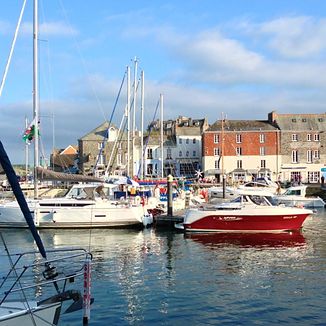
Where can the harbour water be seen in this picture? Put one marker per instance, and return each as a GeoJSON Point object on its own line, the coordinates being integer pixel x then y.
{"type": "Point", "coordinates": [162, 277]}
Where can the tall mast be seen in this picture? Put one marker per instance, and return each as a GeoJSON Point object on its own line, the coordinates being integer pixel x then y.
{"type": "Point", "coordinates": [162, 154]}
{"type": "Point", "coordinates": [35, 96]}
{"type": "Point", "coordinates": [142, 125]}
{"type": "Point", "coordinates": [128, 120]}
{"type": "Point", "coordinates": [222, 149]}
{"type": "Point", "coordinates": [134, 117]}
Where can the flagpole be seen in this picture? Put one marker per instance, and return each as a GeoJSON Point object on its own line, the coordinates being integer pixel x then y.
{"type": "Point", "coordinates": [35, 96]}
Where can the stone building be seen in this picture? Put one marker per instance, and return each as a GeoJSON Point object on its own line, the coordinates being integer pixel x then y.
{"type": "Point", "coordinates": [302, 145]}
{"type": "Point", "coordinates": [101, 147]}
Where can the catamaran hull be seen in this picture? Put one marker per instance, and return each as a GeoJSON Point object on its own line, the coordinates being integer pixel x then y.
{"type": "Point", "coordinates": [15, 313]}
{"type": "Point", "coordinates": [232, 221]}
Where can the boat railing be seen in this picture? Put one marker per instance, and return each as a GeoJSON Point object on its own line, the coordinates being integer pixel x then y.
{"type": "Point", "coordinates": [31, 275]}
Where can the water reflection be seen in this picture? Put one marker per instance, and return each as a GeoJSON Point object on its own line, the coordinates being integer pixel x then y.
{"type": "Point", "coordinates": [267, 240]}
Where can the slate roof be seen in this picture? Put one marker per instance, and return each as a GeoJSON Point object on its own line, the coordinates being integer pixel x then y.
{"type": "Point", "coordinates": [301, 122]}
{"type": "Point", "coordinates": [242, 125]}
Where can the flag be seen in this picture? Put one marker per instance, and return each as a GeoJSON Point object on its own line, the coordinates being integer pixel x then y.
{"type": "Point", "coordinates": [29, 133]}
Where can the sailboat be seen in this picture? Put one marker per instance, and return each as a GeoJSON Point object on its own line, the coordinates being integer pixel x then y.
{"type": "Point", "coordinates": [70, 211]}
{"type": "Point", "coordinates": [34, 271]}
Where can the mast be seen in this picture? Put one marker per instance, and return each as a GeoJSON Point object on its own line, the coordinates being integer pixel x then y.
{"type": "Point", "coordinates": [142, 125]}
{"type": "Point", "coordinates": [26, 151]}
{"type": "Point", "coordinates": [128, 120]}
{"type": "Point", "coordinates": [35, 96]}
{"type": "Point", "coordinates": [162, 154]}
{"type": "Point", "coordinates": [134, 117]}
{"type": "Point", "coordinates": [222, 147]}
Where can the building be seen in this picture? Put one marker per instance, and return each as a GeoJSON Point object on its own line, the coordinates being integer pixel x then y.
{"type": "Point", "coordinates": [103, 148]}
{"type": "Point", "coordinates": [182, 147]}
{"type": "Point", "coordinates": [250, 147]}
{"type": "Point", "coordinates": [302, 145]}
{"type": "Point", "coordinates": [65, 160]}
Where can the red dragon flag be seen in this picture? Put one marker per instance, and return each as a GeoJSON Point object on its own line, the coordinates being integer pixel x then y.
{"type": "Point", "coordinates": [29, 133]}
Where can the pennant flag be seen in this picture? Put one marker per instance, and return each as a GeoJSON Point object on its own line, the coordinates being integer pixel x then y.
{"type": "Point", "coordinates": [29, 133]}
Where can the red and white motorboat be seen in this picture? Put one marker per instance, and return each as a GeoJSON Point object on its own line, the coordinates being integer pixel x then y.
{"type": "Point", "coordinates": [250, 212]}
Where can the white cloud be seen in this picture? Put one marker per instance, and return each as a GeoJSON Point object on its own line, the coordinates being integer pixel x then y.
{"type": "Point", "coordinates": [50, 29]}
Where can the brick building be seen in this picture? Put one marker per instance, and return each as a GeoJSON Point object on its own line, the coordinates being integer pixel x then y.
{"type": "Point", "coordinates": [250, 149]}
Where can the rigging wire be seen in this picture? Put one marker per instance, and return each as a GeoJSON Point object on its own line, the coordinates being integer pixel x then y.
{"type": "Point", "coordinates": [12, 48]}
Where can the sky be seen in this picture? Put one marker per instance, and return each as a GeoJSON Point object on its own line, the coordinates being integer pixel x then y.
{"type": "Point", "coordinates": [240, 58]}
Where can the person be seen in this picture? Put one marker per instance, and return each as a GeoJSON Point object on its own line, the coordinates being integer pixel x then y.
{"type": "Point", "coordinates": [322, 180]}
{"type": "Point", "coordinates": [278, 190]}
{"type": "Point", "coordinates": [157, 192]}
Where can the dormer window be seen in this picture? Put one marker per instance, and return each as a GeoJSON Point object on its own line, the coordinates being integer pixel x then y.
{"type": "Point", "coordinates": [304, 120]}
{"type": "Point", "coordinates": [294, 120]}
{"type": "Point", "coordinates": [320, 119]}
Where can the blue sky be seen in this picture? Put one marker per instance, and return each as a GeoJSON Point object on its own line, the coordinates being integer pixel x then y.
{"type": "Point", "coordinates": [244, 58]}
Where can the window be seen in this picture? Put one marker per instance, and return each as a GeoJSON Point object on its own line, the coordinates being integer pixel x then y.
{"type": "Point", "coordinates": [320, 119]}
{"type": "Point", "coordinates": [216, 151]}
{"type": "Point", "coordinates": [308, 137]}
{"type": "Point", "coordinates": [239, 164]}
{"type": "Point", "coordinates": [238, 139]}
{"type": "Point", "coordinates": [263, 164]}
{"type": "Point", "coordinates": [187, 153]}
{"type": "Point", "coordinates": [119, 159]}
{"type": "Point", "coordinates": [309, 156]}
{"type": "Point", "coordinates": [216, 138]}
{"type": "Point", "coordinates": [304, 120]}
{"type": "Point", "coordinates": [150, 153]}
{"type": "Point", "coordinates": [294, 120]}
{"type": "Point", "coordinates": [150, 169]}
{"type": "Point", "coordinates": [217, 164]}
{"type": "Point", "coordinates": [180, 153]}
{"type": "Point", "coordinates": [316, 137]}
{"type": "Point", "coordinates": [187, 141]}
{"type": "Point", "coordinates": [101, 159]}
{"type": "Point", "coordinates": [168, 154]}
{"type": "Point", "coordinates": [294, 137]}
{"type": "Point", "coordinates": [262, 138]}
{"type": "Point", "coordinates": [294, 156]}
{"type": "Point", "coordinates": [316, 154]}
{"type": "Point", "coordinates": [100, 145]}
{"type": "Point", "coordinates": [238, 151]}
{"type": "Point", "coordinates": [262, 151]}
{"type": "Point", "coordinates": [180, 140]}
{"type": "Point", "coordinates": [193, 153]}
{"type": "Point", "coordinates": [313, 176]}
{"type": "Point", "coordinates": [194, 141]}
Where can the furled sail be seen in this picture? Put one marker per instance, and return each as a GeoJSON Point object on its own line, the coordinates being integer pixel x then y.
{"type": "Point", "coordinates": [12, 178]}
{"type": "Point", "coordinates": [45, 174]}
